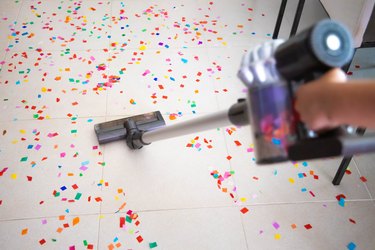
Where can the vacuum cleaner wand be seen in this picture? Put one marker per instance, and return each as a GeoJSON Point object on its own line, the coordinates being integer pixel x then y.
{"type": "Point", "coordinates": [278, 134]}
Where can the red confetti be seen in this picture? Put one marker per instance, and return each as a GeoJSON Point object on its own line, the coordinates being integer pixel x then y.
{"type": "Point", "coordinates": [308, 226]}
{"type": "Point", "coordinates": [139, 239]}
{"type": "Point", "coordinates": [340, 196]}
{"type": "Point", "coordinates": [244, 210]}
{"type": "Point", "coordinates": [122, 221]}
{"type": "Point", "coordinates": [363, 178]}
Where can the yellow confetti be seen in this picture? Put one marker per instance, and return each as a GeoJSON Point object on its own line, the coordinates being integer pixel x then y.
{"type": "Point", "coordinates": [13, 176]}
{"type": "Point", "coordinates": [22, 131]}
{"type": "Point", "coordinates": [291, 180]}
{"type": "Point", "coordinates": [143, 47]}
{"type": "Point", "coordinates": [277, 236]}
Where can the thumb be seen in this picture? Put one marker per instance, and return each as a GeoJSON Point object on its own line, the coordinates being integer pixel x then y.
{"type": "Point", "coordinates": [335, 75]}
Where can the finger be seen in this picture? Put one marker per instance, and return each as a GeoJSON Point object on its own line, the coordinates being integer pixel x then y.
{"type": "Point", "coordinates": [335, 75]}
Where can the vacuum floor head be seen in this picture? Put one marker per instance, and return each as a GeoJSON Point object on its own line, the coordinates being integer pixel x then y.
{"type": "Point", "coordinates": [116, 130]}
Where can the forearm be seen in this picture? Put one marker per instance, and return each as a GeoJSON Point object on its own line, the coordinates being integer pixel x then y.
{"type": "Point", "coordinates": [352, 103]}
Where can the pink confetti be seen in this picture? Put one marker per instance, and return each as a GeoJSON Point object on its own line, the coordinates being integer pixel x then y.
{"type": "Point", "coordinates": [146, 72]}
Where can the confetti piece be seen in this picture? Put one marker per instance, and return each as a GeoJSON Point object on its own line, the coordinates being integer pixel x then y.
{"type": "Point", "coordinates": [24, 231]}
{"type": "Point", "coordinates": [152, 245]}
{"type": "Point", "coordinates": [363, 179]}
{"type": "Point", "coordinates": [78, 196]}
{"type": "Point", "coordinates": [351, 246]}
{"type": "Point", "coordinates": [342, 202]}
{"type": "Point", "coordinates": [277, 236]}
{"type": "Point", "coordinates": [122, 222]}
{"type": "Point", "coordinates": [139, 239]}
{"type": "Point", "coordinates": [276, 225]}
{"type": "Point", "coordinates": [244, 210]}
{"type": "Point", "coordinates": [308, 226]}
{"type": "Point", "coordinates": [3, 171]}
{"type": "Point", "coordinates": [75, 221]}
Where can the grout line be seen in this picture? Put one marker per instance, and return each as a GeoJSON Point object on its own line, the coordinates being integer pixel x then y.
{"type": "Point", "coordinates": [193, 208]}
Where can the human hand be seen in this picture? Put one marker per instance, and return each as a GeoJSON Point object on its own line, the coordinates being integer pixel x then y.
{"type": "Point", "coordinates": [314, 102]}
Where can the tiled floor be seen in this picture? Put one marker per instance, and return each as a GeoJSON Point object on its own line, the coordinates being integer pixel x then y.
{"type": "Point", "coordinates": [67, 65]}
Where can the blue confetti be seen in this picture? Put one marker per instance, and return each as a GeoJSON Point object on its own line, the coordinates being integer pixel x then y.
{"type": "Point", "coordinates": [351, 246]}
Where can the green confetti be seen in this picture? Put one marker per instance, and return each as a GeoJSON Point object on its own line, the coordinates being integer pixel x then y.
{"type": "Point", "coordinates": [78, 196]}
{"type": "Point", "coordinates": [73, 131]}
{"type": "Point", "coordinates": [153, 244]}
{"type": "Point", "coordinates": [24, 159]}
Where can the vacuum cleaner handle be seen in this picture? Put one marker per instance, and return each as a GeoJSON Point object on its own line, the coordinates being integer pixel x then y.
{"type": "Point", "coordinates": [324, 46]}
{"type": "Point", "coordinates": [345, 145]}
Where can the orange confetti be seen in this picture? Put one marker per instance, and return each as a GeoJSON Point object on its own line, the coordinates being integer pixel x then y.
{"type": "Point", "coordinates": [75, 221]}
{"type": "Point", "coordinates": [122, 206]}
{"type": "Point", "coordinates": [24, 231]}
{"type": "Point", "coordinates": [57, 78]}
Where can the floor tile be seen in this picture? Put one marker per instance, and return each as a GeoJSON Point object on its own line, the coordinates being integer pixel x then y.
{"type": "Point", "coordinates": [322, 225]}
{"type": "Point", "coordinates": [8, 19]}
{"type": "Point", "coordinates": [39, 85]}
{"type": "Point", "coordinates": [64, 232]}
{"type": "Point", "coordinates": [156, 24]}
{"type": "Point", "coordinates": [53, 167]}
{"type": "Point", "coordinates": [208, 228]}
{"type": "Point", "coordinates": [169, 80]}
{"type": "Point", "coordinates": [252, 21]}
{"type": "Point", "coordinates": [169, 174]}
{"type": "Point", "coordinates": [40, 25]}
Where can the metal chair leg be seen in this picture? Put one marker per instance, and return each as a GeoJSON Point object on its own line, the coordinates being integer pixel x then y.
{"type": "Point", "coordinates": [280, 17]}
{"type": "Point", "coordinates": [297, 17]}
{"type": "Point", "coordinates": [345, 162]}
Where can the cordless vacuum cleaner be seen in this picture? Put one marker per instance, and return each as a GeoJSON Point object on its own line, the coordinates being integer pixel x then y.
{"type": "Point", "coordinates": [272, 72]}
